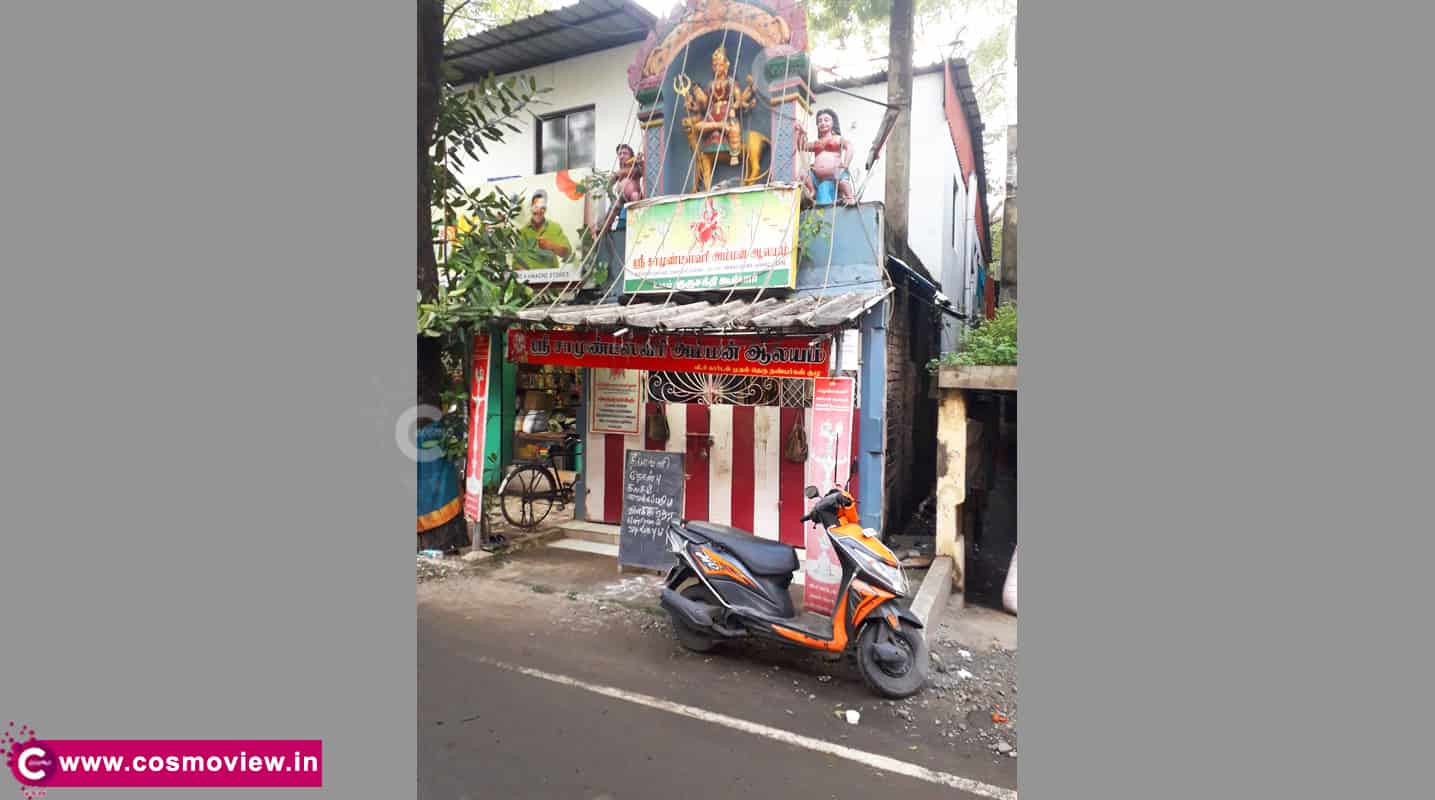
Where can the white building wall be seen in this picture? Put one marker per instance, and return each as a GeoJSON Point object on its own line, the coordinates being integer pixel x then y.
{"type": "Point", "coordinates": [601, 80]}
{"type": "Point", "coordinates": [933, 169]}
{"type": "Point", "coordinates": [597, 79]}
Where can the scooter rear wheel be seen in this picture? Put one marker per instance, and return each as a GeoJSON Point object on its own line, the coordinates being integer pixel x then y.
{"type": "Point", "coordinates": [889, 679]}
{"type": "Point", "coordinates": [688, 637]}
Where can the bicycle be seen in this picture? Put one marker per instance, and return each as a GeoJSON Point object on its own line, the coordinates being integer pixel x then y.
{"type": "Point", "coordinates": [531, 488]}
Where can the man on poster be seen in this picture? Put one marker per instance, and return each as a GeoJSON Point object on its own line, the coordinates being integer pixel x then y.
{"type": "Point", "coordinates": [545, 234]}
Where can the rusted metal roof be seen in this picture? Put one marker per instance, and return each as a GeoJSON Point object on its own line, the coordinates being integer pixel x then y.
{"type": "Point", "coordinates": [799, 313]}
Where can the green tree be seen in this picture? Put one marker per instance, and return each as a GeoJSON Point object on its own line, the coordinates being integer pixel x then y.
{"type": "Point", "coordinates": [845, 23]}
{"type": "Point", "coordinates": [467, 17]}
{"type": "Point", "coordinates": [455, 126]}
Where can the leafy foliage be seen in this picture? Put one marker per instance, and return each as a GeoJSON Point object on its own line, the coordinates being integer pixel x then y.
{"type": "Point", "coordinates": [993, 342]}
{"type": "Point", "coordinates": [840, 20]}
{"type": "Point", "coordinates": [477, 281]}
{"type": "Point", "coordinates": [467, 17]}
{"type": "Point", "coordinates": [809, 227]}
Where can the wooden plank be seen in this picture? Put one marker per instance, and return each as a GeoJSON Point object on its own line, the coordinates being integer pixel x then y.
{"type": "Point", "coordinates": [767, 471]}
{"type": "Point", "coordinates": [743, 456]}
{"type": "Point", "coordinates": [951, 473]}
{"type": "Point", "coordinates": [720, 478]}
{"type": "Point", "coordinates": [594, 471]}
{"type": "Point", "coordinates": [698, 462]}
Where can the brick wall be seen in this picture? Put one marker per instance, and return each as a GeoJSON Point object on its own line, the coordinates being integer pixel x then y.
{"type": "Point", "coordinates": [911, 413]}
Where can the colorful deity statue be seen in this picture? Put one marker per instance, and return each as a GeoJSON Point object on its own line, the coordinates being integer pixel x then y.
{"type": "Point", "coordinates": [828, 179]}
{"type": "Point", "coordinates": [628, 177]}
{"type": "Point", "coordinates": [712, 113]}
{"type": "Point", "coordinates": [625, 184]}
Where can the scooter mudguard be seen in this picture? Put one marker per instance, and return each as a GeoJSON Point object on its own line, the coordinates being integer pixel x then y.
{"type": "Point", "coordinates": [679, 573]}
{"type": "Point", "coordinates": [891, 610]}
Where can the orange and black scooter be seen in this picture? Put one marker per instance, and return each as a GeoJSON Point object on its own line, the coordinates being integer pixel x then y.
{"type": "Point", "coordinates": [729, 584]}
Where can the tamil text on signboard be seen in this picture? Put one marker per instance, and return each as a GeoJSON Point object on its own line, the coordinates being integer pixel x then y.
{"type": "Point", "coordinates": [652, 498]}
{"type": "Point", "coordinates": [778, 357]}
{"type": "Point", "coordinates": [829, 464]}
{"type": "Point", "coordinates": [744, 238]}
{"type": "Point", "coordinates": [616, 401]}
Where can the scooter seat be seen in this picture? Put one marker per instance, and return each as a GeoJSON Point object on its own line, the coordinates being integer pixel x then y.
{"type": "Point", "coordinates": [762, 556]}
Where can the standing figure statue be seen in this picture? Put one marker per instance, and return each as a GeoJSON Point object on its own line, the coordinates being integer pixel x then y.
{"type": "Point", "coordinates": [626, 184]}
{"type": "Point", "coordinates": [829, 165]}
{"type": "Point", "coordinates": [712, 113]}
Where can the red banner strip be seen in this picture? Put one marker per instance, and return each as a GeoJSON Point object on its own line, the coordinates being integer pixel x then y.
{"type": "Point", "coordinates": [778, 357]}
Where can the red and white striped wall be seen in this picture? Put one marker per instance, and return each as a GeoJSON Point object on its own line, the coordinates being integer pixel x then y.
{"type": "Point", "coordinates": [742, 481]}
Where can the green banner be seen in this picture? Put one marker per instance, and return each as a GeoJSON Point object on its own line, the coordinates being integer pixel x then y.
{"type": "Point", "coordinates": [742, 238]}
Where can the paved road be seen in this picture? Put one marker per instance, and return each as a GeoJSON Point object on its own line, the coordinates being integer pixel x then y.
{"type": "Point", "coordinates": [486, 731]}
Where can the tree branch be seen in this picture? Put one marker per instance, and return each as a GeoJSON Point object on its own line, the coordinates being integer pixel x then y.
{"type": "Point", "coordinates": [454, 13]}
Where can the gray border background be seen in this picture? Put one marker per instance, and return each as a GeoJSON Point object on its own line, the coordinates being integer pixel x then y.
{"type": "Point", "coordinates": [207, 318]}
{"type": "Point", "coordinates": [1222, 386]}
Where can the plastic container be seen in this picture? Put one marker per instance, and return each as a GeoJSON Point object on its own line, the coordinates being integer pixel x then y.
{"type": "Point", "coordinates": [1009, 588]}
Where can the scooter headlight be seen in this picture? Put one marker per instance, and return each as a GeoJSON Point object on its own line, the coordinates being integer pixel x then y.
{"type": "Point", "coordinates": [891, 577]}
{"type": "Point", "coordinates": [675, 542]}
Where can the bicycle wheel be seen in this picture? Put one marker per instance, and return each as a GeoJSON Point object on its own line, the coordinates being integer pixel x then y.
{"type": "Point", "coordinates": [528, 497]}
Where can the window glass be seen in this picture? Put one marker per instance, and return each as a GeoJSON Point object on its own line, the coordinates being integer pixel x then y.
{"type": "Point", "coordinates": [580, 139]}
{"type": "Point", "coordinates": [551, 140]}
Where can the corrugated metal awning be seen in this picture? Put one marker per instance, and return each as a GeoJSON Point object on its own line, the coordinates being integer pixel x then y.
{"type": "Point", "coordinates": [801, 313]}
{"type": "Point", "coordinates": [583, 27]}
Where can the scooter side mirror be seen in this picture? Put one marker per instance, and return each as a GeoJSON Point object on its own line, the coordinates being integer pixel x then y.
{"type": "Point", "coordinates": [810, 492]}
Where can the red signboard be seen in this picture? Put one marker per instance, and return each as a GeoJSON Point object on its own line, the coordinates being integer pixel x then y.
{"type": "Point", "coordinates": [778, 357]}
{"type": "Point", "coordinates": [477, 425]}
{"type": "Point", "coordinates": [829, 464]}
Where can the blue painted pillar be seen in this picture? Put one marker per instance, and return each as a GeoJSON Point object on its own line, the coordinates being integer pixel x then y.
{"type": "Point", "coordinates": [873, 433]}
{"type": "Point", "coordinates": [581, 465]}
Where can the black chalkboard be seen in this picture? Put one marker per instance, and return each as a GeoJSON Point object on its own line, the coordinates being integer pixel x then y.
{"type": "Point", "coordinates": [652, 497]}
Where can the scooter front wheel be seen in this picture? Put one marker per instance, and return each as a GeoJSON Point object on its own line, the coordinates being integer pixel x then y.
{"type": "Point", "coordinates": [892, 663]}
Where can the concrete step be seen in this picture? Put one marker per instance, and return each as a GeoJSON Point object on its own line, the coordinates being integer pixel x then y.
{"type": "Point", "coordinates": [591, 532]}
{"type": "Point", "coordinates": [583, 545]}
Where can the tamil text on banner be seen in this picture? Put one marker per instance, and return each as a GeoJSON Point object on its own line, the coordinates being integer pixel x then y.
{"type": "Point", "coordinates": [554, 214]}
{"type": "Point", "coordinates": [744, 238]}
{"type": "Point", "coordinates": [616, 402]}
{"type": "Point", "coordinates": [829, 464]}
{"type": "Point", "coordinates": [477, 426]}
{"type": "Point", "coordinates": [778, 357]}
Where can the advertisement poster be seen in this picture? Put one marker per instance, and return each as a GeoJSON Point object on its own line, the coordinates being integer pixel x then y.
{"type": "Point", "coordinates": [778, 357]}
{"type": "Point", "coordinates": [477, 425]}
{"type": "Point", "coordinates": [554, 214]}
{"type": "Point", "coordinates": [743, 238]}
{"type": "Point", "coordinates": [617, 401]}
{"type": "Point", "coordinates": [829, 464]}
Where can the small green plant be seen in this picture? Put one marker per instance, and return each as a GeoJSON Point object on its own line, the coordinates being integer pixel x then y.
{"type": "Point", "coordinates": [809, 227]}
{"type": "Point", "coordinates": [993, 343]}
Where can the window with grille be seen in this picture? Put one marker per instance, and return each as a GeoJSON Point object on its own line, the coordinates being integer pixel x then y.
{"type": "Point", "coordinates": [565, 140]}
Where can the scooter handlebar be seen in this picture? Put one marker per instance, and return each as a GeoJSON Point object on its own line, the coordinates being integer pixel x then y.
{"type": "Point", "coordinates": [833, 498]}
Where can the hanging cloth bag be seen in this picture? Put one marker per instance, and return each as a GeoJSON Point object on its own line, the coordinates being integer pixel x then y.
{"type": "Point", "coordinates": [657, 423]}
{"type": "Point", "coordinates": [795, 451]}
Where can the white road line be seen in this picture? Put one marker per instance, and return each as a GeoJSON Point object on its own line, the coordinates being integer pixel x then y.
{"type": "Point", "coordinates": [873, 760]}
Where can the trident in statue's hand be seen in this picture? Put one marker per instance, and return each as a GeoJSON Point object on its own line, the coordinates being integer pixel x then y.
{"type": "Point", "coordinates": [682, 84]}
